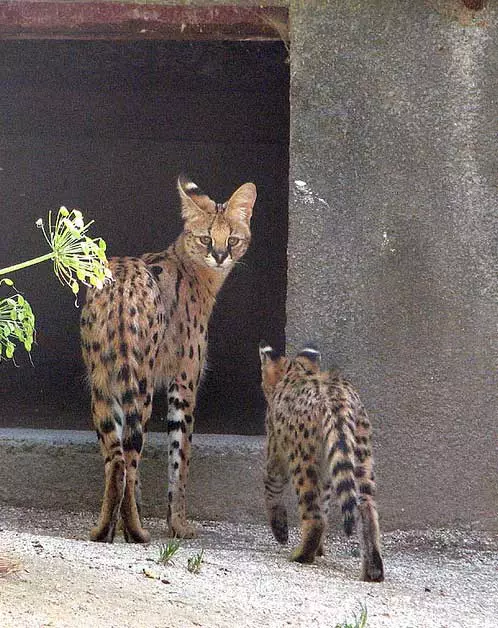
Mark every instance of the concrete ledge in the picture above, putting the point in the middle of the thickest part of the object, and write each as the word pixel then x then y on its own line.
pixel 156 441
pixel 62 469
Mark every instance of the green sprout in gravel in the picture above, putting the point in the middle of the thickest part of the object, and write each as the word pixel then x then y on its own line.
pixel 76 258
pixel 358 622
pixel 194 562
pixel 17 323
pixel 168 550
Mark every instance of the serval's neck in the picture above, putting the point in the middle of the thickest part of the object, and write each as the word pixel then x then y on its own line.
pixel 201 280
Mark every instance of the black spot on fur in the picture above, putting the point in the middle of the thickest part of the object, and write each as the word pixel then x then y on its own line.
pixel 345 486
pixel 156 271
pixel 342 466
pixel 311 474
pixel 128 396
pixel 135 441
pixel 124 373
pixel 107 426
pixel 132 419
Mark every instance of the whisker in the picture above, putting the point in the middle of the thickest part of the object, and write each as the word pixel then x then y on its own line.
pixel 241 263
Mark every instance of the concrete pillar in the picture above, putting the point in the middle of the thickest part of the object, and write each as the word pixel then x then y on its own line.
pixel 392 237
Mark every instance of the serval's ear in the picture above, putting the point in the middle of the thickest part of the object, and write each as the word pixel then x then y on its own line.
pixel 272 366
pixel 241 203
pixel 194 200
pixel 266 352
pixel 310 358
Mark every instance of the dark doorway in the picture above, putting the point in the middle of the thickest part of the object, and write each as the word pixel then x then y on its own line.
pixel 107 127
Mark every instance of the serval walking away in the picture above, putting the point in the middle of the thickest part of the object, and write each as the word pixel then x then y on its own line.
pixel 147 330
pixel 319 433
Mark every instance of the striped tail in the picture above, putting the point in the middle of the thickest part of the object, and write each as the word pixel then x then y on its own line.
pixel 340 447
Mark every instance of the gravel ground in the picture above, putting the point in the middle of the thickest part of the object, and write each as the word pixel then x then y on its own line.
pixel 434 579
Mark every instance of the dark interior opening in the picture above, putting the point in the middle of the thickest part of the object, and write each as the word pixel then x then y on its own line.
pixel 107 127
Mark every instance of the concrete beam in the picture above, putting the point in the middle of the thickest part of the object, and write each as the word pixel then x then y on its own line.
pixel 123 21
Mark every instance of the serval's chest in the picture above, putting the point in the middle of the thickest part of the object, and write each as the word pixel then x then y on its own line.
pixel 186 305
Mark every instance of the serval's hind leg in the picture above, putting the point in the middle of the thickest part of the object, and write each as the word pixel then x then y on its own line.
pixel 131 505
pixel 109 430
pixel 307 485
pixel 372 566
pixel 136 416
pixel 275 479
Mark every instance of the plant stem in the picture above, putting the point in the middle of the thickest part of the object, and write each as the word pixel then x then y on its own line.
pixel 31 262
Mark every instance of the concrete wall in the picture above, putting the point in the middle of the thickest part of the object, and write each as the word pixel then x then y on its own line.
pixel 392 237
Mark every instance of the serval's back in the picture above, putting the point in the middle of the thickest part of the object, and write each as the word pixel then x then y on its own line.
pixel 319 433
pixel 148 330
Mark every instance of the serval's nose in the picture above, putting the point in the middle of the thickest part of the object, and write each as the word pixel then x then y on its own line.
pixel 219 255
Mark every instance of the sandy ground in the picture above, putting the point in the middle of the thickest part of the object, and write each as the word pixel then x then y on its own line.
pixel 434 579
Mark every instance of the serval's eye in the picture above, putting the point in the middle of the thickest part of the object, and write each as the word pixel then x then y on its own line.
pixel 233 241
pixel 206 240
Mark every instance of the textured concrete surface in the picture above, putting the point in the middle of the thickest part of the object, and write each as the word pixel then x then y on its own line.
pixel 63 470
pixel 392 235
pixel 435 579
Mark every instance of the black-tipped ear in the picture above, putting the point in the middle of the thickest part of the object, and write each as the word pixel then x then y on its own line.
pixel 267 352
pixel 193 198
pixel 311 353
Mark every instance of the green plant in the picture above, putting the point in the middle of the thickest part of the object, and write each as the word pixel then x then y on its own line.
pixel 17 323
pixel 194 562
pixel 76 258
pixel 168 550
pixel 358 622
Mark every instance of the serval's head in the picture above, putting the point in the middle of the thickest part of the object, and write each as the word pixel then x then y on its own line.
pixel 275 366
pixel 216 234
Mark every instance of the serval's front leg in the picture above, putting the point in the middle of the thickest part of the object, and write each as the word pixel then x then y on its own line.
pixel 326 494
pixel 181 405
pixel 372 566
pixel 109 430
